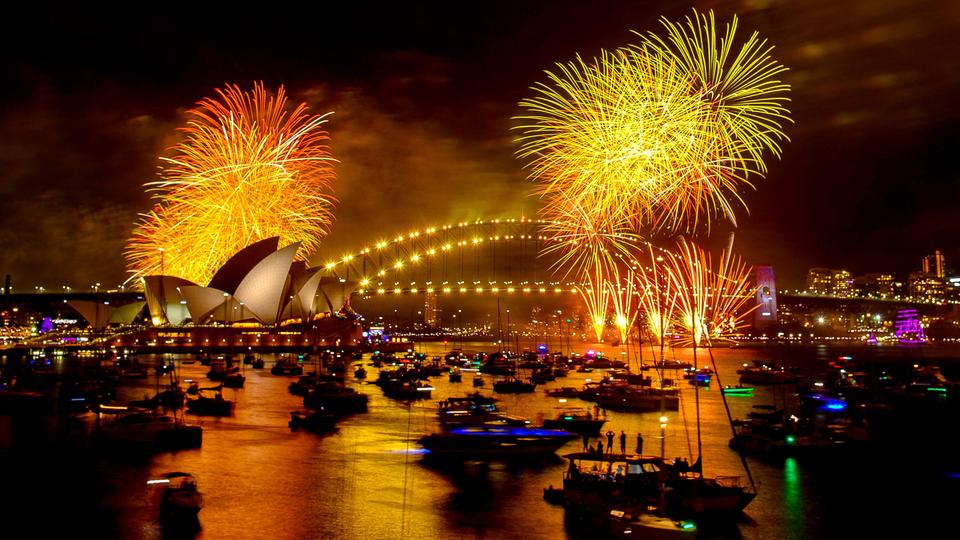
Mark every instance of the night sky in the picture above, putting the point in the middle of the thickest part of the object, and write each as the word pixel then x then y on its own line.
pixel 423 98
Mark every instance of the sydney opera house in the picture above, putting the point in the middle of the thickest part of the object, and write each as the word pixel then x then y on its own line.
pixel 261 297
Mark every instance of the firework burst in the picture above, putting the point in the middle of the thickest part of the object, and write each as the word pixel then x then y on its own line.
pixel 250 167
pixel 662 134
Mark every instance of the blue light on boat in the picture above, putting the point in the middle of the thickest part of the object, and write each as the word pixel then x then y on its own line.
pixel 510 431
pixel 836 405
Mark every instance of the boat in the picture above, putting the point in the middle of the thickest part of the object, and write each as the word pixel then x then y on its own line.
pixel 474 409
pixel 512 385
pixel 597 483
pixel 565 392
pixel 248 359
pixel 575 420
pixel 313 421
pixel 738 390
pixel 672 364
pixel 180 501
pixel 218 369
pixel 455 375
pixel 286 367
pixel 234 380
pixel 478 381
pixel 496 441
pixel 210 405
pixel 638 399
pixel 258 363
pixel 336 398
pixel 136 371
pixel 150 431
pixel 646 524
pixel 762 373
pixel 404 390
pixel 360 373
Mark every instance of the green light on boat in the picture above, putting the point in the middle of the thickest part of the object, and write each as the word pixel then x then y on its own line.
pixel 935 389
pixel 687 525
pixel 790 439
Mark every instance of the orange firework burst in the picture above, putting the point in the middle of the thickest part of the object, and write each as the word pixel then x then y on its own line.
pixel 250 167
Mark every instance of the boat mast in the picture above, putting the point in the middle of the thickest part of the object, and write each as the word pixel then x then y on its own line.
pixel 726 408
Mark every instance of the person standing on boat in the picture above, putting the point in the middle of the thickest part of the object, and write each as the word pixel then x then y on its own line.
pixel 600 447
pixel 610 435
pixel 640 443
pixel 623 442
pixel 586 442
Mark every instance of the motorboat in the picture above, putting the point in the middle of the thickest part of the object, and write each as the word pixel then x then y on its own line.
pixel 360 373
pixel 672 364
pixel 761 373
pixel 474 409
pixel 455 375
pixel 639 399
pixel 210 402
pixel 336 398
pixel 575 420
pixel 496 441
pixel 286 367
pixel 512 385
pixel 313 421
pixel 478 381
pixel 407 390
pixel 565 392
pixel 738 390
pixel 234 380
pixel 647 524
pixel 180 501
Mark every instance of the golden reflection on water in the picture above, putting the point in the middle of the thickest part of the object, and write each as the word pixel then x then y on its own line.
pixel 368 479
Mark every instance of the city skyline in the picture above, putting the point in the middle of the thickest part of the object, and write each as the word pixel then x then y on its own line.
pixel 859 197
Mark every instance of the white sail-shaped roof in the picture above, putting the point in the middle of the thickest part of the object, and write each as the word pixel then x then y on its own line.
pixel 262 289
pixel 206 302
pixel 97 314
pixel 127 313
pixel 165 304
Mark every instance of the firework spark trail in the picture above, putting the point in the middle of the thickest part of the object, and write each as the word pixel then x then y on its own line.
pixel 594 294
pixel 658 298
pixel 250 167
pixel 711 303
pixel 622 293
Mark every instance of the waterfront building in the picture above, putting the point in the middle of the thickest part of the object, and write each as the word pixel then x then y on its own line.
pixel 829 282
pixel 926 286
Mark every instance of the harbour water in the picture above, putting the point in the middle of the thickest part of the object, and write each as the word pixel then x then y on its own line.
pixel 370 479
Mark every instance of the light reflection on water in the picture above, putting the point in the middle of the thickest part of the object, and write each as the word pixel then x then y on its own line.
pixel 368 479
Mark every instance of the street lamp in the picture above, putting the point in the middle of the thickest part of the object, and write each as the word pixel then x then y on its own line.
pixel 663 436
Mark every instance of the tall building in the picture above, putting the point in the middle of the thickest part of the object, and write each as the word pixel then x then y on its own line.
pixel 934 264
pixel 829 282
pixel 765 315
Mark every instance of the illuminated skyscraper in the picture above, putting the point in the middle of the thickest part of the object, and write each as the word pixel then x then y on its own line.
pixel 934 264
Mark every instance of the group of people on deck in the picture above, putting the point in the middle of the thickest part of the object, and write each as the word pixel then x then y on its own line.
pixel 600 449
